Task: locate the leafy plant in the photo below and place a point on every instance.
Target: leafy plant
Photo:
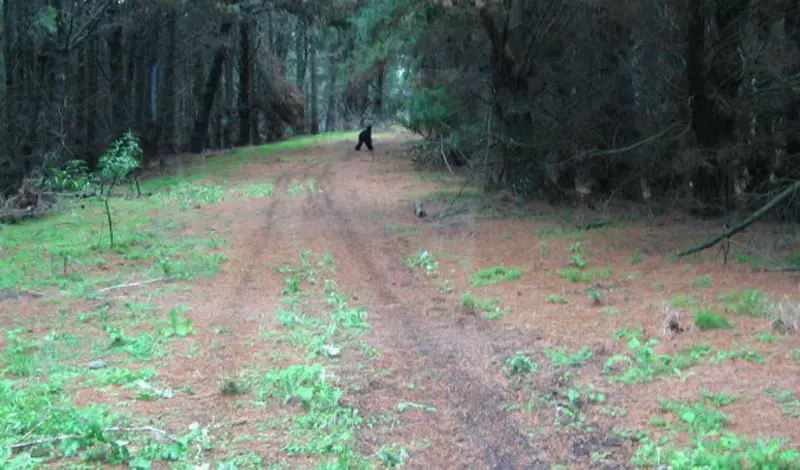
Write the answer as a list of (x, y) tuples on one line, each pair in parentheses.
[(116, 164), (493, 275), (521, 363), (709, 320)]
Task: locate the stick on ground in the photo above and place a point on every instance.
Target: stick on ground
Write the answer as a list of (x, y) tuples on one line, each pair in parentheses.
[(745, 223)]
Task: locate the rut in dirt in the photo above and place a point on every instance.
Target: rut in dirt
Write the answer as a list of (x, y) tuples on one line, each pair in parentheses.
[(472, 397)]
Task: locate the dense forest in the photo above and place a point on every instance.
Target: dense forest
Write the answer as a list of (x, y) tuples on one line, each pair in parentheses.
[(690, 100)]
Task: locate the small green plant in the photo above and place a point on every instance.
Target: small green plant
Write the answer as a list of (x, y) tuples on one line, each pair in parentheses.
[(473, 303), (492, 275), (561, 358), (595, 295), (544, 248), (188, 195), (425, 260), (179, 323), (74, 177), (446, 287), (392, 456), (706, 319), (636, 259), (703, 281), (748, 302), (119, 161), (554, 299), (578, 258), (521, 364)]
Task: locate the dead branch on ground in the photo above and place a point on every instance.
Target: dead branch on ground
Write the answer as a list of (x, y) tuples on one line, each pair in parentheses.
[(793, 188)]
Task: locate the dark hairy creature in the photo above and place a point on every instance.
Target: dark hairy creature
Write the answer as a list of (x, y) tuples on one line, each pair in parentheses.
[(365, 138)]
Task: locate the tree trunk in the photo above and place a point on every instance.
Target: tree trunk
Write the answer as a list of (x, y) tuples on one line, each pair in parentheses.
[(245, 67), (314, 98), (118, 80), (168, 102), (301, 52), (380, 84), (330, 112), (200, 131), (93, 89)]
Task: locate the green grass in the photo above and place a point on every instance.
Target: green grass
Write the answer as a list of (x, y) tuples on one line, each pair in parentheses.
[(747, 302), (489, 306), (493, 275), (710, 444), (68, 252), (709, 320)]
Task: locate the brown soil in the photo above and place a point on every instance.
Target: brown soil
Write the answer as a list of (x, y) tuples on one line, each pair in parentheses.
[(455, 358)]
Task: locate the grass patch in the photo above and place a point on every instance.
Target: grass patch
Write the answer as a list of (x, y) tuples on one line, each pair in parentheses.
[(707, 320), (710, 444), (493, 275), (489, 306), (68, 251), (748, 302)]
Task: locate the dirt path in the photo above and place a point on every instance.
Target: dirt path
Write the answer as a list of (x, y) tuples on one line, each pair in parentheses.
[(434, 355), (452, 358)]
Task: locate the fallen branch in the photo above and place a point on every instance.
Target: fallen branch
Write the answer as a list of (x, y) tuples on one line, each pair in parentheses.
[(64, 437), (744, 224), (444, 157), (132, 284)]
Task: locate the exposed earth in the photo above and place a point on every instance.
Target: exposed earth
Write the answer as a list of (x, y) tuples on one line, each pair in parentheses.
[(441, 382)]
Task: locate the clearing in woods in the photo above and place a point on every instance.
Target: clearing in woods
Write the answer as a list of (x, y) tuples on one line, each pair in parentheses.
[(281, 307)]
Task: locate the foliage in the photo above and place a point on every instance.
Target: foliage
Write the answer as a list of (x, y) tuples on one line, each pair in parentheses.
[(74, 177), (123, 157)]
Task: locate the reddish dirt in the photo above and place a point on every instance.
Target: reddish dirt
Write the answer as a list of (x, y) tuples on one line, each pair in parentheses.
[(456, 358)]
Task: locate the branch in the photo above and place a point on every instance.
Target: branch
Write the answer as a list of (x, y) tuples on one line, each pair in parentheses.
[(744, 224), (132, 284), (64, 437)]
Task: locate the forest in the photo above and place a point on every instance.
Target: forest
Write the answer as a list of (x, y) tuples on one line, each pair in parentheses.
[(652, 101), (570, 242)]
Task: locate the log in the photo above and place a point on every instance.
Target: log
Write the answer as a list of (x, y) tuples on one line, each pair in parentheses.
[(793, 188)]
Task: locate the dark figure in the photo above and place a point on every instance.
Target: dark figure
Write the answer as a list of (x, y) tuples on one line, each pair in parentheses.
[(365, 137)]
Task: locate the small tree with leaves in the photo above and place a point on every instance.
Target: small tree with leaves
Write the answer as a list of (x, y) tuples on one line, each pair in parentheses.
[(117, 164)]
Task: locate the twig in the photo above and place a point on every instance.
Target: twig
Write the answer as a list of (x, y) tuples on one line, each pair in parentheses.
[(444, 157), (744, 224), (64, 437), (132, 284)]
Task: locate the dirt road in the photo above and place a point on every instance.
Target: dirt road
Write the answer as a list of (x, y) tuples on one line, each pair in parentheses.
[(453, 357)]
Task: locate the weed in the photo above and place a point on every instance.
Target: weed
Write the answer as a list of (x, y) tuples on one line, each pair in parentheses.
[(425, 260), (788, 401), (704, 281), (392, 456), (493, 275), (544, 248), (260, 190), (578, 258), (748, 302), (706, 319), (179, 326), (710, 445), (683, 301), (595, 295), (521, 363), (785, 316), (611, 310), (188, 195), (561, 358), (446, 287), (489, 306), (554, 299)]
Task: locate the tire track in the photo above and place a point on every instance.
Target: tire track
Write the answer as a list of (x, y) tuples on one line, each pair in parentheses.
[(473, 400)]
